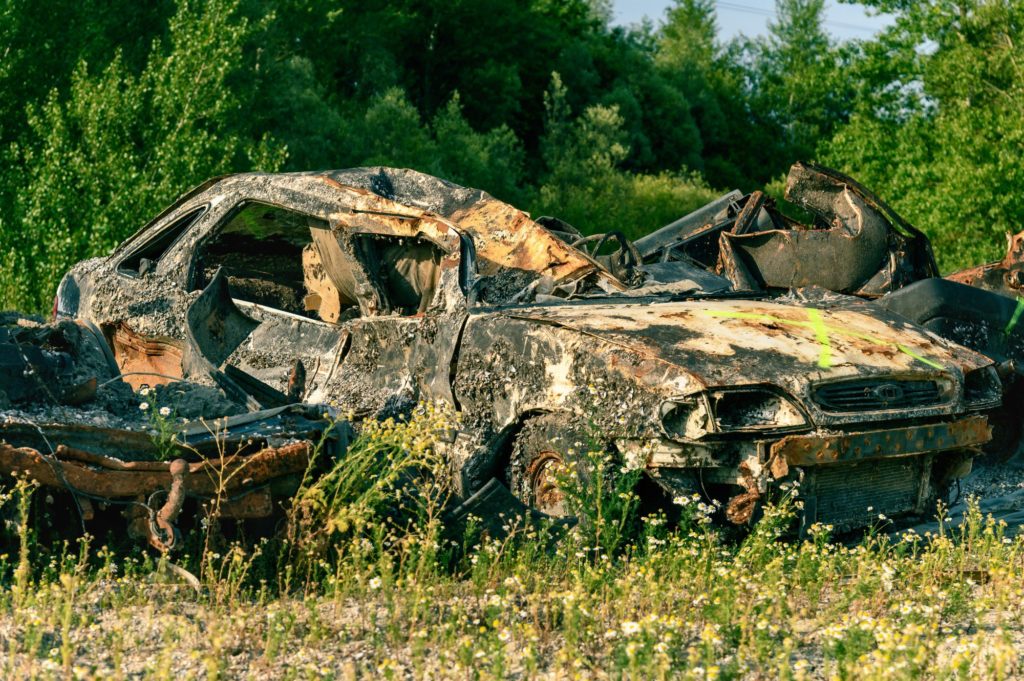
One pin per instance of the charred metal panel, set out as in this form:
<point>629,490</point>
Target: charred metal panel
<point>977,318</point>
<point>269,353</point>
<point>851,496</point>
<point>657,245</point>
<point>511,365</point>
<point>215,326</point>
<point>841,258</point>
<point>245,462</point>
<point>375,374</point>
<point>723,342</point>
<point>1005,277</point>
<point>64,362</point>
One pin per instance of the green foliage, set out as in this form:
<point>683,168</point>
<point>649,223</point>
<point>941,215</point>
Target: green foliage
<point>937,129</point>
<point>391,132</point>
<point>601,493</point>
<point>585,186</point>
<point>492,160</point>
<point>120,146</point>
<point>709,83</point>
<point>632,204</point>
<point>390,486</point>
<point>800,91</point>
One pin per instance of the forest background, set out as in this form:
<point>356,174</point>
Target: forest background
<point>110,109</point>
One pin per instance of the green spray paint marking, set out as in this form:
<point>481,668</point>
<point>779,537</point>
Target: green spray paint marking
<point>821,331</point>
<point>1015,318</point>
<point>824,331</point>
<point>924,360</point>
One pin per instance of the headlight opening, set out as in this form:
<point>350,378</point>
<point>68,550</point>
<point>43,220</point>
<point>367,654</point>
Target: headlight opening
<point>738,410</point>
<point>731,410</point>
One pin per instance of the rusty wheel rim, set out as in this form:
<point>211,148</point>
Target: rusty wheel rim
<point>546,495</point>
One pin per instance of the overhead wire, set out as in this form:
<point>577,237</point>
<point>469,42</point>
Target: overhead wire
<point>771,14</point>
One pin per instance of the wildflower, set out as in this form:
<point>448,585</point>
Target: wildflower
<point>165,411</point>
<point>375,583</point>
<point>145,391</point>
<point>144,406</point>
<point>629,628</point>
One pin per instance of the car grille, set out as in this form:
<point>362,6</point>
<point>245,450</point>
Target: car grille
<point>876,395</point>
<point>844,493</point>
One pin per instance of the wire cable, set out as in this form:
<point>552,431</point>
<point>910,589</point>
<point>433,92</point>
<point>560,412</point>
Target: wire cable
<point>771,14</point>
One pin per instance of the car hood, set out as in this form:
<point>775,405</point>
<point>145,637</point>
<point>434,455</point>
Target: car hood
<point>737,342</point>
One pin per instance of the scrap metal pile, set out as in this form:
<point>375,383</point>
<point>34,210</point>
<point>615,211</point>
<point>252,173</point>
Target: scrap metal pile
<point>727,354</point>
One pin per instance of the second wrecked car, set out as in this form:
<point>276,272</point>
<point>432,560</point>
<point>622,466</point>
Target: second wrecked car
<point>375,288</point>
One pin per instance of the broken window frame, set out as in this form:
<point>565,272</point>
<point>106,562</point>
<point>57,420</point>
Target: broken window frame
<point>457,267</point>
<point>393,279</point>
<point>181,224</point>
<point>197,250</point>
<point>166,215</point>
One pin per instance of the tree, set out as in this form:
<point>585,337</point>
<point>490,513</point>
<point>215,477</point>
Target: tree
<point>713,81</point>
<point>800,93</point>
<point>117,147</point>
<point>937,127</point>
<point>390,131</point>
<point>584,184</point>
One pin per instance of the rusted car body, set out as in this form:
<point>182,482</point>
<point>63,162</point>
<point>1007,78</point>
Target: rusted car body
<point>1005,277</point>
<point>70,423</point>
<point>854,243</point>
<point>63,363</point>
<point>239,467</point>
<point>373,289</point>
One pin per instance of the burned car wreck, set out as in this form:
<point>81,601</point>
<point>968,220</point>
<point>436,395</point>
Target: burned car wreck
<point>71,424</point>
<point>855,244</point>
<point>689,352</point>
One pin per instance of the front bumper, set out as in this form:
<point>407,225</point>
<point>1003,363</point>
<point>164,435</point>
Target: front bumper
<point>845,476</point>
<point>813,450</point>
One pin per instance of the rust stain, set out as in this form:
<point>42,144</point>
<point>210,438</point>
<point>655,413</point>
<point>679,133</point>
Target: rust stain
<point>144,361</point>
<point>741,507</point>
<point>804,450</point>
<point>110,478</point>
<point>1005,276</point>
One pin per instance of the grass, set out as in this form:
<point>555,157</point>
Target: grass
<point>365,583</point>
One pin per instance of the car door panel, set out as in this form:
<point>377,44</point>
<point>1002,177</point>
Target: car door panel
<point>279,340</point>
